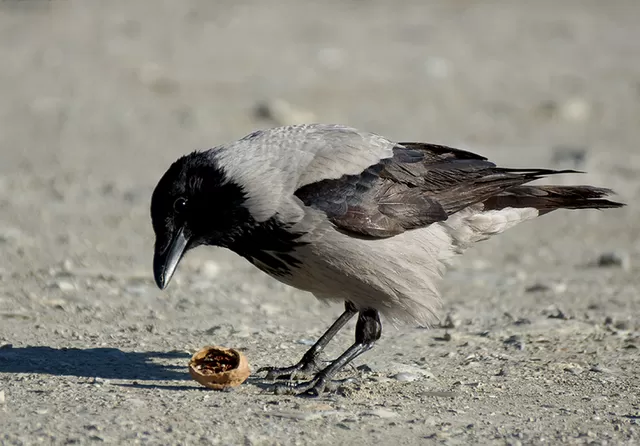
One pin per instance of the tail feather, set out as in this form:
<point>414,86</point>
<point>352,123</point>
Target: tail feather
<point>549,198</point>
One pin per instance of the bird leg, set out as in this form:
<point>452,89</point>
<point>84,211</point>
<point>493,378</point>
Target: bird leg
<point>368,331</point>
<point>308,362</point>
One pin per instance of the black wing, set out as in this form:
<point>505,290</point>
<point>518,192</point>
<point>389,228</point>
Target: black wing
<point>420,185</point>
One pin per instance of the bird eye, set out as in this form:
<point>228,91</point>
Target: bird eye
<point>180,205</point>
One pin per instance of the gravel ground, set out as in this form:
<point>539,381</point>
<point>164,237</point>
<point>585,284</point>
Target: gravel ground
<point>97,99</point>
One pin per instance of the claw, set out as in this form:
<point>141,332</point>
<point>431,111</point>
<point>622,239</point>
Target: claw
<point>314,387</point>
<point>302,368</point>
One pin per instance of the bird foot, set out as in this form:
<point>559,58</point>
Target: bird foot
<point>314,387</point>
<point>303,368</point>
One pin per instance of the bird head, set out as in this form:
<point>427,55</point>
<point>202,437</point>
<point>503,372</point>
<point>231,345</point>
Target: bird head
<point>193,204</point>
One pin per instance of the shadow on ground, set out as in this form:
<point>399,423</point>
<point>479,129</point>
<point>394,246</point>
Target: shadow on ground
<point>107,363</point>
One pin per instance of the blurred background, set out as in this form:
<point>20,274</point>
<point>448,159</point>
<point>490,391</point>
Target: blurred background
<point>98,98</point>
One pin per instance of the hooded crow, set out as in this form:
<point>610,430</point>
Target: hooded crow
<point>349,216</point>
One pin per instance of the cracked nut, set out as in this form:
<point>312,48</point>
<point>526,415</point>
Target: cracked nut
<point>219,367</point>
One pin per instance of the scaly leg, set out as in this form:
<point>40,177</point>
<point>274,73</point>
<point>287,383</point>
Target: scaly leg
<point>308,362</point>
<point>368,331</point>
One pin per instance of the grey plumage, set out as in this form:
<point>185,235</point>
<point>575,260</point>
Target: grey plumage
<point>347,215</point>
<point>346,191</point>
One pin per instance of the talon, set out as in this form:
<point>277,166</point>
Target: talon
<point>275,373</point>
<point>319,387</point>
<point>314,387</point>
<point>290,373</point>
<point>283,389</point>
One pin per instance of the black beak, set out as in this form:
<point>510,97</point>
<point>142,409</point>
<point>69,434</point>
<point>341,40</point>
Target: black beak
<point>165,262</point>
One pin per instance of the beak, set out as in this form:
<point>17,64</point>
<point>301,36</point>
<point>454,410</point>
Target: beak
<point>165,262</point>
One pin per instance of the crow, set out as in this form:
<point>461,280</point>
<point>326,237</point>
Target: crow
<point>349,216</point>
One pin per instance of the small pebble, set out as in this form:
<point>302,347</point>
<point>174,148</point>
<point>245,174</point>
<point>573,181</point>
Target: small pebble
<point>573,369</point>
<point>308,342</point>
<point>597,368</point>
<point>364,368</point>
<point>405,377</point>
<point>522,321</point>
<point>65,286</point>
<point>613,259</point>
<point>555,313</point>
<point>2,397</point>
<point>221,330</point>
<point>621,325</point>
<point>516,341</point>
<point>446,337</point>
<point>98,381</point>
<point>413,370</point>
<point>67,266</point>
<point>56,303</point>
<point>137,290</point>
<point>537,288</point>
<point>449,322</point>
<point>558,287</point>
<point>380,413</point>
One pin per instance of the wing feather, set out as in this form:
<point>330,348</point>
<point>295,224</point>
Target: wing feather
<point>419,185</point>
<point>270,165</point>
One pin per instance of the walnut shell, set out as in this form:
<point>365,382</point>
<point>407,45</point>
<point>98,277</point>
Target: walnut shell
<point>219,367</point>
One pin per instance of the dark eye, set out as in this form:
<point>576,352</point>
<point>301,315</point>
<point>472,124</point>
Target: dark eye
<point>180,205</point>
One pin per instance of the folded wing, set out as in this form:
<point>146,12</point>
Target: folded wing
<point>421,184</point>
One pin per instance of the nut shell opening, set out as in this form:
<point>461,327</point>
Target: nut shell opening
<point>219,367</point>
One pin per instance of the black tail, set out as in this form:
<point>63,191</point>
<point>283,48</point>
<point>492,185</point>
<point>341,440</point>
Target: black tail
<point>550,198</point>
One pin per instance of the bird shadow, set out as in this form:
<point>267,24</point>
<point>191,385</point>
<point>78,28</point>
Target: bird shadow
<point>137,385</point>
<point>106,363</point>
